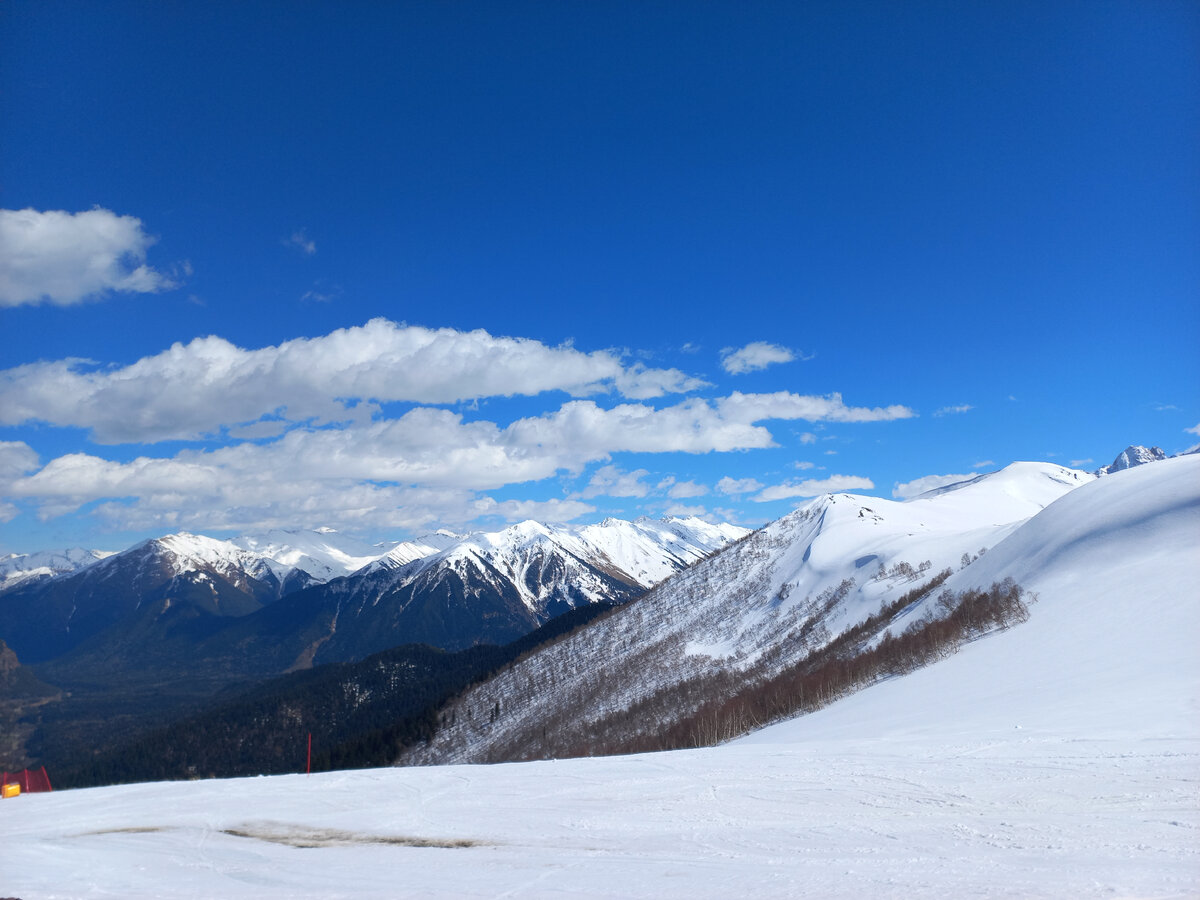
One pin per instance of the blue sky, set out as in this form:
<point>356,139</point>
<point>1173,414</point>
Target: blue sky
<point>393,267</point>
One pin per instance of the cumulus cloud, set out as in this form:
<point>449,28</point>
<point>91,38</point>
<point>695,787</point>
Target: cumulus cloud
<point>734,486</point>
<point>910,489</point>
<point>684,489</point>
<point>610,481</point>
<point>786,405</point>
<point>683,511</point>
<point>193,390</point>
<point>813,487</point>
<point>16,458</point>
<point>953,410</point>
<point>64,258</point>
<point>754,356</point>
<point>1193,430</point>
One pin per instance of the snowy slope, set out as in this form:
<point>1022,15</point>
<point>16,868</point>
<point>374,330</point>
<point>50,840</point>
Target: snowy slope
<point>18,567</point>
<point>763,604</point>
<point>1110,648</point>
<point>650,550</point>
<point>418,548</point>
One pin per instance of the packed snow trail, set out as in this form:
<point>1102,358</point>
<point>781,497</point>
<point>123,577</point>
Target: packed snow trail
<point>1015,818</point>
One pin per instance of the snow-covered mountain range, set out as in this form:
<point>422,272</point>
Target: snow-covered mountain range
<point>516,579</point>
<point>20,567</point>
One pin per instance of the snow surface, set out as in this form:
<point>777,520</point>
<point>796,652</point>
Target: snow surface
<point>1060,758</point>
<point>822,819</point>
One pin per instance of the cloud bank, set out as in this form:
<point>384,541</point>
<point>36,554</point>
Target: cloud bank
<point>193,390</point>
<point>301,432</point>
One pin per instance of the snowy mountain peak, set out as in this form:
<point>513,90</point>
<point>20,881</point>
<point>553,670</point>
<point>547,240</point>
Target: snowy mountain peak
<point>1133,455</point>
<point>322,553</point>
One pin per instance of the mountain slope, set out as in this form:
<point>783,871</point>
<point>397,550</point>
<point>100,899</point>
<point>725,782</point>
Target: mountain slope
<point>758,607</point>
<point>1110,649</point>
<point>170,580</point>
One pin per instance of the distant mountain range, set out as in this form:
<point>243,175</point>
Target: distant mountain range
<point>443,589</point>
<point>167,623</point>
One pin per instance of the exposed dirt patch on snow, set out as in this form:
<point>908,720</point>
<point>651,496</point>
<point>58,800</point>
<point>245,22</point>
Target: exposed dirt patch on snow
<point>307,837</point>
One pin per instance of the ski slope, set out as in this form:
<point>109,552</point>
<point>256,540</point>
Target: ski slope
<point>1058,759</point>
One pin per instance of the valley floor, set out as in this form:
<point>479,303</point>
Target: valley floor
<point>1019,817</point>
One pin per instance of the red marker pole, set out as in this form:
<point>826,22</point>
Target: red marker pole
<point>308,765</point>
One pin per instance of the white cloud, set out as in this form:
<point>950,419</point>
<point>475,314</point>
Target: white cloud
<point>684,489</point>
<point>953,410</point>
<point>808,438</point>
<point>192,390</point>
<point>983,464</point>
<point>541,510</point>
<point>1076,463</point>
<point>1193,430</point>
<point>786,405</point>
<point>302,242</point>
<point>733,486</point>
<point>16,458</point>
<point>802,465</point>
<point>299,433</point>
<point>754,356</point>
<point>813,487</point>
<point>683,511</point>
<point>610,481</point>
<point>64,258</point>
<point>910,489</point>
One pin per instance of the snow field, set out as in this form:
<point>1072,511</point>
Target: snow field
<point>1016,818</point>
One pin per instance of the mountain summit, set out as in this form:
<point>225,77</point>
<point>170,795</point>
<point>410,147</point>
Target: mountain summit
<point>1133,455</point>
